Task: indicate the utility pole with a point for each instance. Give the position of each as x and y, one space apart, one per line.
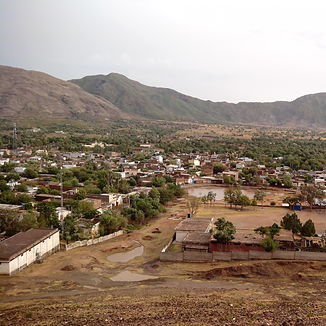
14 140
61 192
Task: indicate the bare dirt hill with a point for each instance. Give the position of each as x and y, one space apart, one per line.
32 94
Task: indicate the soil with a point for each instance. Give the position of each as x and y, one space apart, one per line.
76 287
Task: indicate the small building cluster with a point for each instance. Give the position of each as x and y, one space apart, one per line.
197 234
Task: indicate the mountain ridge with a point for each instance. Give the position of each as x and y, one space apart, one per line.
32 94
167 104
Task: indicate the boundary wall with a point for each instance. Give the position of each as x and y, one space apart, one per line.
204 257
90 242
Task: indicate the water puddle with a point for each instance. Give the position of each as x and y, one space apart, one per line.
128 276
123 257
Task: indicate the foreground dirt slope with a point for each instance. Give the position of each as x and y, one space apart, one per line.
190 308
76 287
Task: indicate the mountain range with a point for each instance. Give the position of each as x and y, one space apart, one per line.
34 94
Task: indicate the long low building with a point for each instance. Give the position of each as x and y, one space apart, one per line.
24 248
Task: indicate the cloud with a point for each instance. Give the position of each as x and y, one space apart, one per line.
220 50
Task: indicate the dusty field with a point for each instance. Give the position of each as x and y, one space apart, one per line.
253 217
75 287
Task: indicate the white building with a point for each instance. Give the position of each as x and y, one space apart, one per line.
24 248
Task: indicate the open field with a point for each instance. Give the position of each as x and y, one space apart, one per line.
253 217
75 287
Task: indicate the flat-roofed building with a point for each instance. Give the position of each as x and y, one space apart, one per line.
24 248
191 225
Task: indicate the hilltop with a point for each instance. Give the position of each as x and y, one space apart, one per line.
29 94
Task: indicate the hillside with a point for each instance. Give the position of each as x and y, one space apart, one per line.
167 104
31 94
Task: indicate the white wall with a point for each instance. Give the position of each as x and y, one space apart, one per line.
29 256
180 235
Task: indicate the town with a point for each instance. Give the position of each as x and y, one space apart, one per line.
98 191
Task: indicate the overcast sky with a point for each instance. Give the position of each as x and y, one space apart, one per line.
244 50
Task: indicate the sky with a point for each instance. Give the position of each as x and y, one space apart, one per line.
231 50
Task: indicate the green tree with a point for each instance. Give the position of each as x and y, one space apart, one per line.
291 222
80 195
223 231
28 221
48 216
287 181
259 196
21 187
309 193
308 229
243 201
42 190
211 196
70 230
193 205
9 222
154 194
4 186
232 195
218 168
292 201
269 244
134 215
111 221
30 173
270 231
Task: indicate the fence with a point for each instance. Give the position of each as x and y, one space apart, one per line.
204 257
90 242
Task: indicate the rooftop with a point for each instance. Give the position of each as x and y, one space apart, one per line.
10 207
197 238
23 241
195 224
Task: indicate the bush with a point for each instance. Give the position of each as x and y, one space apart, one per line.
269 244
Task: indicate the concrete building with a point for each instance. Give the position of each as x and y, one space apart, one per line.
24 248
192 225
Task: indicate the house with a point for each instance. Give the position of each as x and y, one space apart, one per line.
287 240
244 240
196 241
233 174
89 229
24 248
62 213
191 225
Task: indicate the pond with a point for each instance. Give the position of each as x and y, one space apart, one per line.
123 257
219 191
